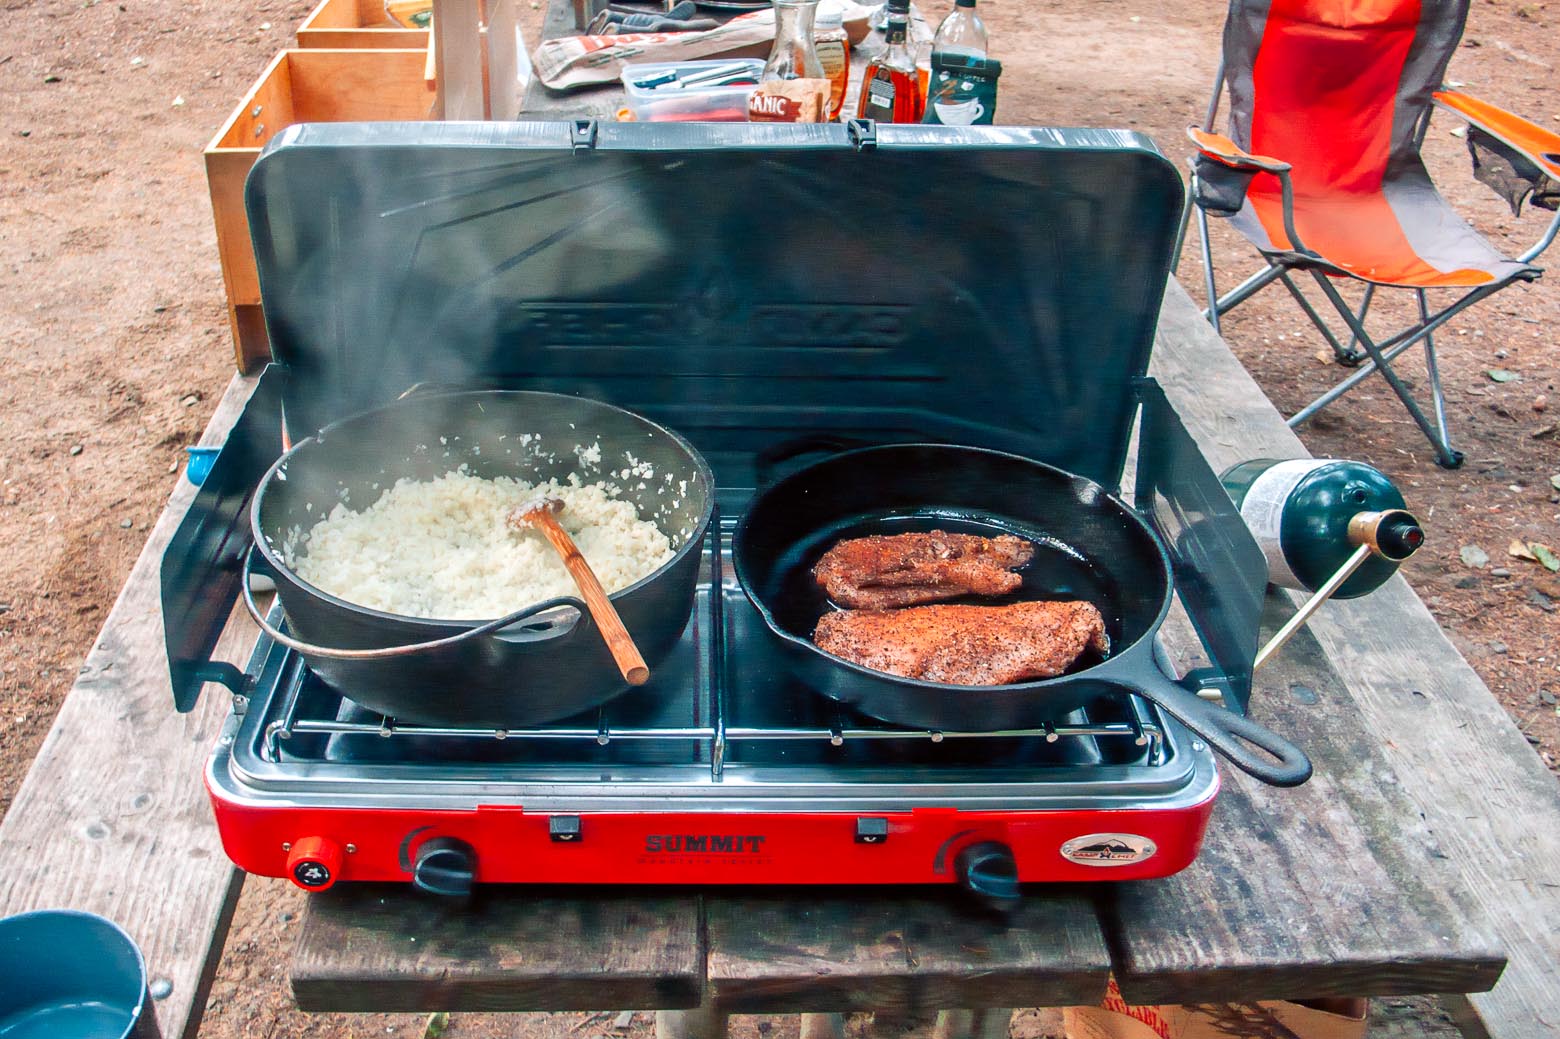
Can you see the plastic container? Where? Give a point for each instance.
(71, 975)
(656, 92)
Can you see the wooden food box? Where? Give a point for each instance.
(357, 23)
(300, 86)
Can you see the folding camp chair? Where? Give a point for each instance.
(1329, 104)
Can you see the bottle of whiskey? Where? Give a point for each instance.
(890, 88)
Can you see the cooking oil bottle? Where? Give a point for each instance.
(1311, 515)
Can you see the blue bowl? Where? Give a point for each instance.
(66, 974)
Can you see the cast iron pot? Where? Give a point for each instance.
(546, 660)
(1091, 546)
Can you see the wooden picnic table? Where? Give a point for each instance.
(1416, 861)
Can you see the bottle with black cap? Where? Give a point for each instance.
(890, 92)
(961, 34)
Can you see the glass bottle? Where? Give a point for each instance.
(961, 33)
(833, 46)
(890, 92)
(794, 56)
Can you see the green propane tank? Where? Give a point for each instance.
(1310, 516)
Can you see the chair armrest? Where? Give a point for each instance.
(1222, 149)
(1536, 144)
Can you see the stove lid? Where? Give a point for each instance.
(982, 285)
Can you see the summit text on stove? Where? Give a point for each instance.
(711, 843)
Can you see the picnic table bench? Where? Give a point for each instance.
(1417, 859)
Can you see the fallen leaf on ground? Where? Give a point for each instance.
(1474, 556)
(437, 1023)
(1554, 481)
(1502, 375)
(1545, 555)
(1519, 550)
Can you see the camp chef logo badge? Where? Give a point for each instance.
(1108, 849)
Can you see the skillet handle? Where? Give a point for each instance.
(1232, 735)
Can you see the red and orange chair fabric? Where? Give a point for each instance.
(1329, 102)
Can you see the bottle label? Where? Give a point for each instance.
(836, 69)
(1263, 511)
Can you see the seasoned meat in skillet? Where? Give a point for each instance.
(966, 645)
(885, 571)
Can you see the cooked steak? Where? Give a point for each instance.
(885, 571)
(966, 645)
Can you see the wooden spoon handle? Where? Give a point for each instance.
(621, 644)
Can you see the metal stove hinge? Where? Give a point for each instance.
(237, 681)
(583, 135)
(863, 134)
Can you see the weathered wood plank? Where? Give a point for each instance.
(113, 818)
(383, 947)
(1488, 801)
(457, 51)
(781, 951)
(1333, 888)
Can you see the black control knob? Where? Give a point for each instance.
(445, 866)
(988, 871)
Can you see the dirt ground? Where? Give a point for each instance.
(115, 348)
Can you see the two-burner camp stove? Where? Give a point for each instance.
(720, 770)
(746, 286)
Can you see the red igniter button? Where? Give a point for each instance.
(314, 863)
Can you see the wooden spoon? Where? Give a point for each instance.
(542, 514)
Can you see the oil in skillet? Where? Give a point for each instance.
(1057, 571)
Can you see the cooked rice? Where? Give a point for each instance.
(444, 548)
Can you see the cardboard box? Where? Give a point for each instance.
(1274, 1019)
(299, 86)
(340, 24)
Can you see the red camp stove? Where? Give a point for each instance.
(1012, 308)
(720, 770)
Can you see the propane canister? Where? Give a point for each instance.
(1300, 511)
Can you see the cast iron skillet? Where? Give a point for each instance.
(1090, 546)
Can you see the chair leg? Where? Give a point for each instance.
(1346, 356)
(1390, 349)
(1186, 219)
(1437, 398)
(1370, 291)
(1246, 289)
(1212, 313)
(1445, 455)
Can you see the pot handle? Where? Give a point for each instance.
(1232, 735)
(388, 652)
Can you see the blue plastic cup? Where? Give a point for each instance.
(201, 459)
(66, 974)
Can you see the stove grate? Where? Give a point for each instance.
(1141, 727)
